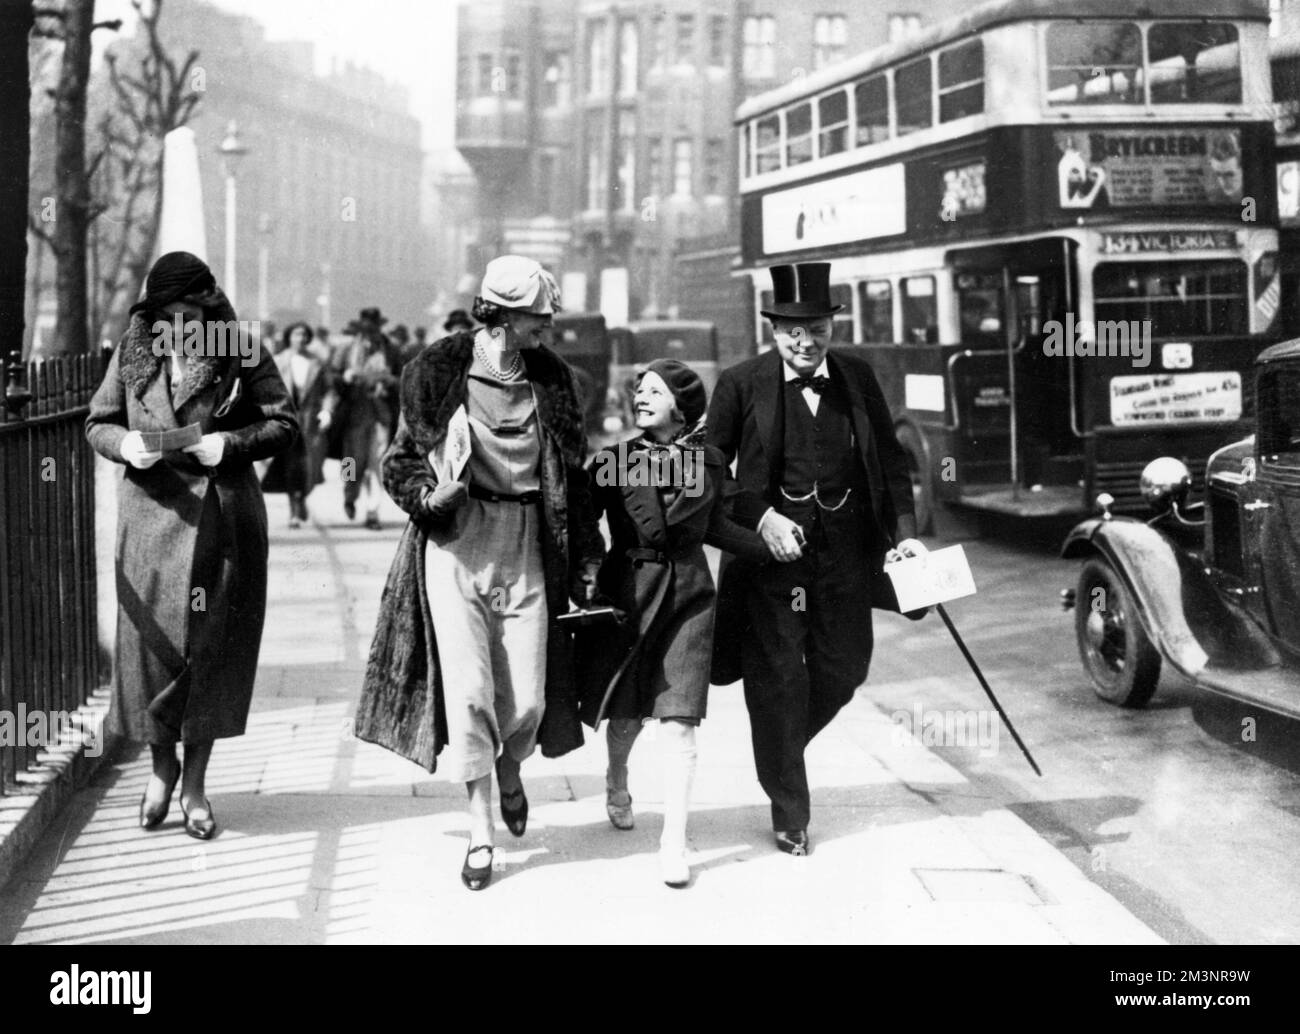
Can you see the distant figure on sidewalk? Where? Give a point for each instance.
(662, 493)
(488, 461)
(366, 372)
(821, 476)
(458, 319)
(297, 470)
(191, 531)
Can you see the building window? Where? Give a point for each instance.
(684, 51)
(798, 134)
(514, 75)
(596, 185)
(714, 166)
(626, 170)
(659, 41)
(598, 58)
(871, 99)
(833, 123)
(555, 80)
(718, 41)
(961, 81)
(682, 166)
(486, 70)
(627, 58)
(830, 39)
(912, 98)
(903, 25)
(654, 162)
(760, 47)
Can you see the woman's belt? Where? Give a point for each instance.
(477, 492)
(646, 556)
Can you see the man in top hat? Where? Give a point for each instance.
(821, 476)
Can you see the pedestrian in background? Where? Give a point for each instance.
(656, 666)
(365, 378)
(458, 319)
(191, 532)
(468, 651)
(297, 470)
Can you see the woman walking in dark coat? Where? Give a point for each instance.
(191, 526)
(487, 460)
(663, 497)
(297, 470)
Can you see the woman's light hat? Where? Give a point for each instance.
(519, 283)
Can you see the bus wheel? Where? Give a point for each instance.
(1116, 651)
(922, 479)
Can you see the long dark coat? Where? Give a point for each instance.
(298, 468)
(746, 423)
(657, 663)
(364, 403)
(186, 660)
(402, 705)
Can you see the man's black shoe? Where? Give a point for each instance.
(792, 841)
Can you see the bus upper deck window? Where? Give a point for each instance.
(1094, 63)
(871, 99)
(798, 134)
(912, 99)
(833, 119)
(961, 81)
(1194, 64)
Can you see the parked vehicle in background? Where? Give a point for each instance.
(693, 342)
(582, 338)
(1211, 587)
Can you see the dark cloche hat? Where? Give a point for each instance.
(801, 291)
(175, 276)
(685, 384)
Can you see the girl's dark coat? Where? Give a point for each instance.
(298, 468)
(666, 643)
(186, 660)
(401, 704)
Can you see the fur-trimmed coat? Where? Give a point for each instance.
(185, 672)
(401, 705)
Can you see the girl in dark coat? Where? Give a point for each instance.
(468, 653)
(662, 495)
(191, 526)
(297, 470)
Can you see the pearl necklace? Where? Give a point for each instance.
(501, 375)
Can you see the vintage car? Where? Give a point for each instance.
(1210, 587)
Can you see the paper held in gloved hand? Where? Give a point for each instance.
(937, 577)
(448, 457)
(172, 441)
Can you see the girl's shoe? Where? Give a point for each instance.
(673, 867)
(618, 806)
(477, 877)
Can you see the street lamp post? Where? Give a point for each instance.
(231, 150)
(263, 265)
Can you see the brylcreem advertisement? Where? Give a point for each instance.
(1118, 168)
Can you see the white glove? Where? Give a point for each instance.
(209, 451)
(325, 419)
(134, 452)
(908, 547)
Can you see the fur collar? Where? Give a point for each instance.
(139, 365)
(434, 384)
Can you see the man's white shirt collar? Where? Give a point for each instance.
(822, 371)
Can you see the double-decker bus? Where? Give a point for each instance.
(1053, 228)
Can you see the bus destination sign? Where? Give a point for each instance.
(1167, 241)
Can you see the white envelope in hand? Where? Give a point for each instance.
(937, 577)
(448, 457)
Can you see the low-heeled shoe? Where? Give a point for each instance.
(793, 841)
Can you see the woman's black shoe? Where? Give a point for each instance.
(516, 817)
(477, 878)
(200, 829)
(152, 818)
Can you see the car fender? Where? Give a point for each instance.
(1158, 581)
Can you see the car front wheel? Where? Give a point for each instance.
(1116, 651)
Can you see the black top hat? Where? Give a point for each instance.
(801, 292)
(372, 315)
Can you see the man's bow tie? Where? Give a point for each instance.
(818, 383)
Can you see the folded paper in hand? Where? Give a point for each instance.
(172, 441)
(936, 577)
(448, 457)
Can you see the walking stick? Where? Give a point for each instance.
(943, 613)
